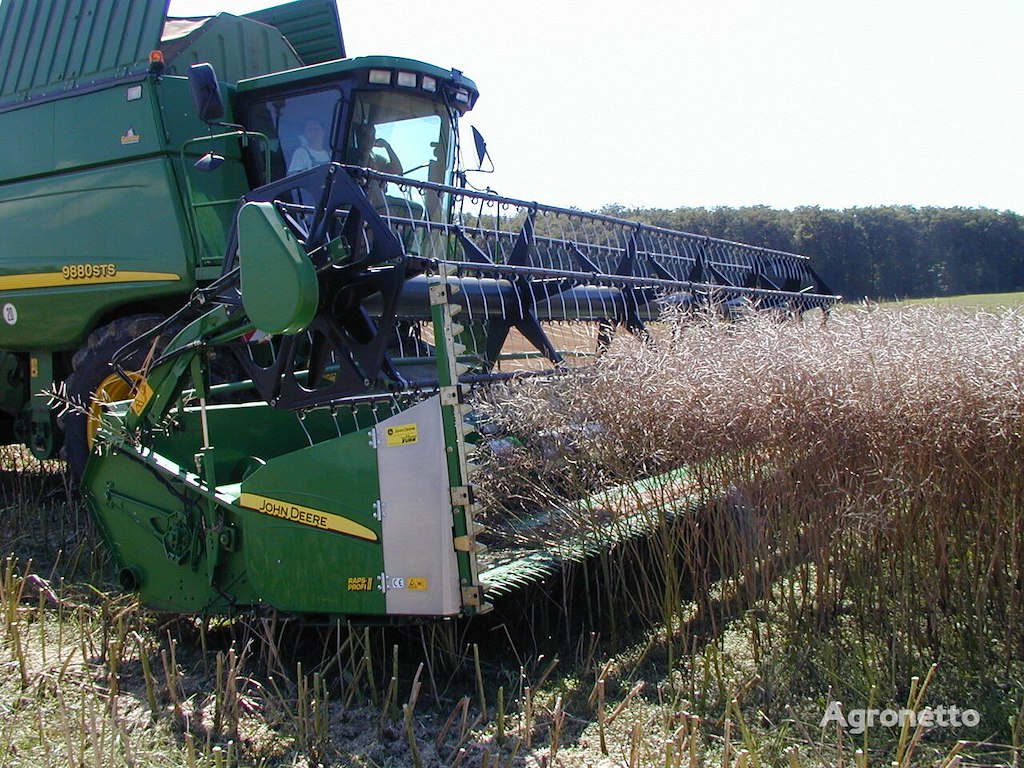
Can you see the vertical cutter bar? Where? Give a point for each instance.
(463, 527)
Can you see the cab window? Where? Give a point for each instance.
(300, 129)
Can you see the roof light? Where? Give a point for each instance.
(380, 77)
(430, 84)
(407, 79)
(462, 96)
(156, 63)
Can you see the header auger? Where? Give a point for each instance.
(264, 291)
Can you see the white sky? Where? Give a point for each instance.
(660, 103)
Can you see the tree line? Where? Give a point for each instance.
(880, 253)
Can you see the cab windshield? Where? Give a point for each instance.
(390, 132)
(400, 134)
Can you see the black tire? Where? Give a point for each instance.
(90, 367)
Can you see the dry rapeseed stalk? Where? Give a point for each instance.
(882, 446)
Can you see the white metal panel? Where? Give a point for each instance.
(421, 569)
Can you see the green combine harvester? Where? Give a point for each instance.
(245, 290)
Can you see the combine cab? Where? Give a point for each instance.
(297, 434)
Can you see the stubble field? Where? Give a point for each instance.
(846, 528)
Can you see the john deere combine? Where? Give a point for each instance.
(250, 272)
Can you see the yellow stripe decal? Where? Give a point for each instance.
(59, 279)
(314, 518)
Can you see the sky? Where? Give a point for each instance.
(664, 104)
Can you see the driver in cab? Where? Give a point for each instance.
(312, 149)
(366, 142)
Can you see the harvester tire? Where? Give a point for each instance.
(93, 380)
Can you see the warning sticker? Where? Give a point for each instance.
(406, 434)
(413, 583)
(142, 396)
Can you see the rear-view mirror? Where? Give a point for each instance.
(202, 80)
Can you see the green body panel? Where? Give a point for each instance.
(90, 128)
(304, 567)
(148, 529)
(128, 216)
(81, 130)
(30, 133)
